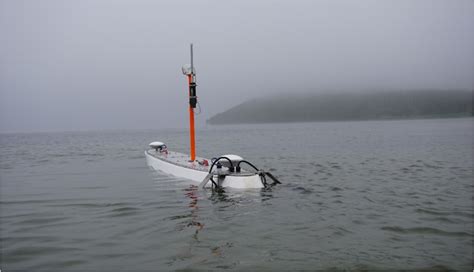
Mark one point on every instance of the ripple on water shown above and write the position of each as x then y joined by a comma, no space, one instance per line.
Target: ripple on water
25,253
123,211
442,213
303,190
41,221
426,230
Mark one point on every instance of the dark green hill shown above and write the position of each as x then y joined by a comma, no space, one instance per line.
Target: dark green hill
349,106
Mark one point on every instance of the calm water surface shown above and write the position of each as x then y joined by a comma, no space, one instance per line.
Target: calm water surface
356,196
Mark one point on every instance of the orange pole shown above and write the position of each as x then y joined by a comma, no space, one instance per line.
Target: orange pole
191,126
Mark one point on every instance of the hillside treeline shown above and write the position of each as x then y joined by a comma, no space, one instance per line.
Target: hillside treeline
350,106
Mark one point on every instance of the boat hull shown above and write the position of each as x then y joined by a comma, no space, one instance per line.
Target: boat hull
176,164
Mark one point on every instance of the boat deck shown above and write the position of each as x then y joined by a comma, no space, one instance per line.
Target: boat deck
180,159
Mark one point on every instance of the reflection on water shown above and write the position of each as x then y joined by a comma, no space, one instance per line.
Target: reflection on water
192,194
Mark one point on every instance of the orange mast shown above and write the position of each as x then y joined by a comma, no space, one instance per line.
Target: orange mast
191,124
192,105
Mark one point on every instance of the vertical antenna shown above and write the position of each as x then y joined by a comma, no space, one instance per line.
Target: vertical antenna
192,64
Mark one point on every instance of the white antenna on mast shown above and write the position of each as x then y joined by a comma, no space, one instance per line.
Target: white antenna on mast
188,69
192,64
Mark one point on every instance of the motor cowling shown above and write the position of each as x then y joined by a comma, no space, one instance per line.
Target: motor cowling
235,159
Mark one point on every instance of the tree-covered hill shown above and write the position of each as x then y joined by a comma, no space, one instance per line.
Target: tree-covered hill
350,106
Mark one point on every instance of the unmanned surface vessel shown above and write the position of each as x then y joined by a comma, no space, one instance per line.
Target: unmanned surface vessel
222,171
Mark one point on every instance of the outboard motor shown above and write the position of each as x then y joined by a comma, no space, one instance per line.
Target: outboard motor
232,163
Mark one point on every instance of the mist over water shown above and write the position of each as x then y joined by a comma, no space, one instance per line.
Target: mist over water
355,195
114,64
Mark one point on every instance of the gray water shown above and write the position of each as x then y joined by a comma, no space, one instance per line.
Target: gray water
355,195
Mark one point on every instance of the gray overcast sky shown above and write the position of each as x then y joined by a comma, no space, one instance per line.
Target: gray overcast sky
108,64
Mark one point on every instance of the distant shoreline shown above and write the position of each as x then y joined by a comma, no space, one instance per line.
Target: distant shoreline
401,105
352,120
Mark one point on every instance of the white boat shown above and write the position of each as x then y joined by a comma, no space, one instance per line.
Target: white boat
223,171
177,164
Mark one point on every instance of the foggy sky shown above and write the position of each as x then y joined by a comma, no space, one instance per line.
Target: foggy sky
79,65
